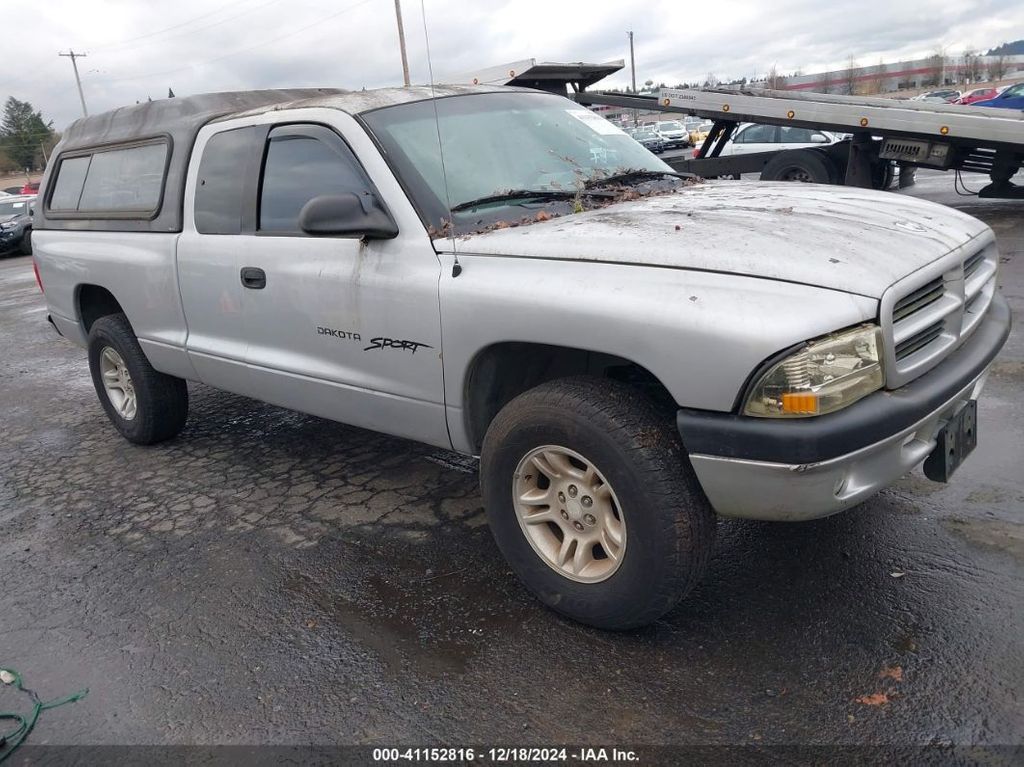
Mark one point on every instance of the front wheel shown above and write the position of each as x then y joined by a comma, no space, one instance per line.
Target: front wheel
592,500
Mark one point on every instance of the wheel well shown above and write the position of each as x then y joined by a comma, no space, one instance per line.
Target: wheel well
503,371
95,302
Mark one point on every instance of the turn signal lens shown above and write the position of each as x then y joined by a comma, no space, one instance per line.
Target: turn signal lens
800,404
826,375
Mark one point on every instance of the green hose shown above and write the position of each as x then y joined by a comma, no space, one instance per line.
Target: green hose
9,741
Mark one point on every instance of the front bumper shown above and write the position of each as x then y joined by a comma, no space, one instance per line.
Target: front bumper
777,469
11,238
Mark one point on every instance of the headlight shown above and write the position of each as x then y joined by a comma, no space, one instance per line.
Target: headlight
8,226
826,375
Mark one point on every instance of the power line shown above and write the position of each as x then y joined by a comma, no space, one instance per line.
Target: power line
74,64
130,44
262,44
125,42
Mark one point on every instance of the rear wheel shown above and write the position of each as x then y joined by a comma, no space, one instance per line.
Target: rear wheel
592,500
26,243
805,165
146,406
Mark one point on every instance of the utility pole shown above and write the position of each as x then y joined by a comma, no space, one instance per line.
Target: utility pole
401,42
72,55
632,59
632,67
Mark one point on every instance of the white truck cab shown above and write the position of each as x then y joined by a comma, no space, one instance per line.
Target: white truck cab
503,273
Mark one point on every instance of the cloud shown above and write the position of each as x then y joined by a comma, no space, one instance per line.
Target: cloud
139,48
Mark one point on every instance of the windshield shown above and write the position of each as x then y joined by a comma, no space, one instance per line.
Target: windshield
11,208
497,142
670,125
1015,90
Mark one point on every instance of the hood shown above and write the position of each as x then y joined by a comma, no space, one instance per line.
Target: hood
842,238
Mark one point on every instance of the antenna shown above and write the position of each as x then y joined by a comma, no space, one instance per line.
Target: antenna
450,225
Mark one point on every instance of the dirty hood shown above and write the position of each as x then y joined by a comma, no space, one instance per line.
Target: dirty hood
853,240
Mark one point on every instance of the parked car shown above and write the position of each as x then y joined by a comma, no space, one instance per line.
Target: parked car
755,137
673,133
944,95
978,94
16,224
649,139
698,129
1011,98
627,350
30,187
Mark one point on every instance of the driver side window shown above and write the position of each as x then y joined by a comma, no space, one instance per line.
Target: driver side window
303,162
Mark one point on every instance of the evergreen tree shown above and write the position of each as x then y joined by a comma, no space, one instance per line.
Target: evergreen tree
23,132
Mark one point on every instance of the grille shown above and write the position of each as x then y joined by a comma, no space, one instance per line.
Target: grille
919,299
972,264
926,321
919,340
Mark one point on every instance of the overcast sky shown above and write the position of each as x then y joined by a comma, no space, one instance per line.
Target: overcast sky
138,48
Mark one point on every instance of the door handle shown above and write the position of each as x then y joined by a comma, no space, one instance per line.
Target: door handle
253,278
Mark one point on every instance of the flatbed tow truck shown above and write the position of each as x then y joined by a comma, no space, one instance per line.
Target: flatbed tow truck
883,132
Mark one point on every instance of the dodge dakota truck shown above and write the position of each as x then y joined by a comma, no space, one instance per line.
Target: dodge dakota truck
503,273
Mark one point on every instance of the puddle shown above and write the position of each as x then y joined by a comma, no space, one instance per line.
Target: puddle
1007,537
433,624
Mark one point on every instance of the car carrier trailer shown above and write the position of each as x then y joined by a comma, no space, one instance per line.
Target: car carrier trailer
884,132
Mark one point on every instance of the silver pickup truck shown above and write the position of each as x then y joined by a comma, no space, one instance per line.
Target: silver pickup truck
504,273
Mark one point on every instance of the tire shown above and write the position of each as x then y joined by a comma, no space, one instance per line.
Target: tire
883,174
805,165
160,401
667,524
26,243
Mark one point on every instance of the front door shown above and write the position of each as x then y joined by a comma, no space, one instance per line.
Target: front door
347,329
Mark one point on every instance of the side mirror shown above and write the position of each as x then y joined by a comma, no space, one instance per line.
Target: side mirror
347,215
819,138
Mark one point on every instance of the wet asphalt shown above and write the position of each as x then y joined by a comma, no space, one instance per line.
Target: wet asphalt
273,578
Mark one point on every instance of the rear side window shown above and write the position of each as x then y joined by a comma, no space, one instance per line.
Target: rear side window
221,182
757,134
304,162
120,182
791,135
70,180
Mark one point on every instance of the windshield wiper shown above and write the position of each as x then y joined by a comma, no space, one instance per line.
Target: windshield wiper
633,175
525,194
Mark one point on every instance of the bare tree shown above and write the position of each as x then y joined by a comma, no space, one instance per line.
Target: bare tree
774,80
850,77
711,81
997,68
972,70
937,65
